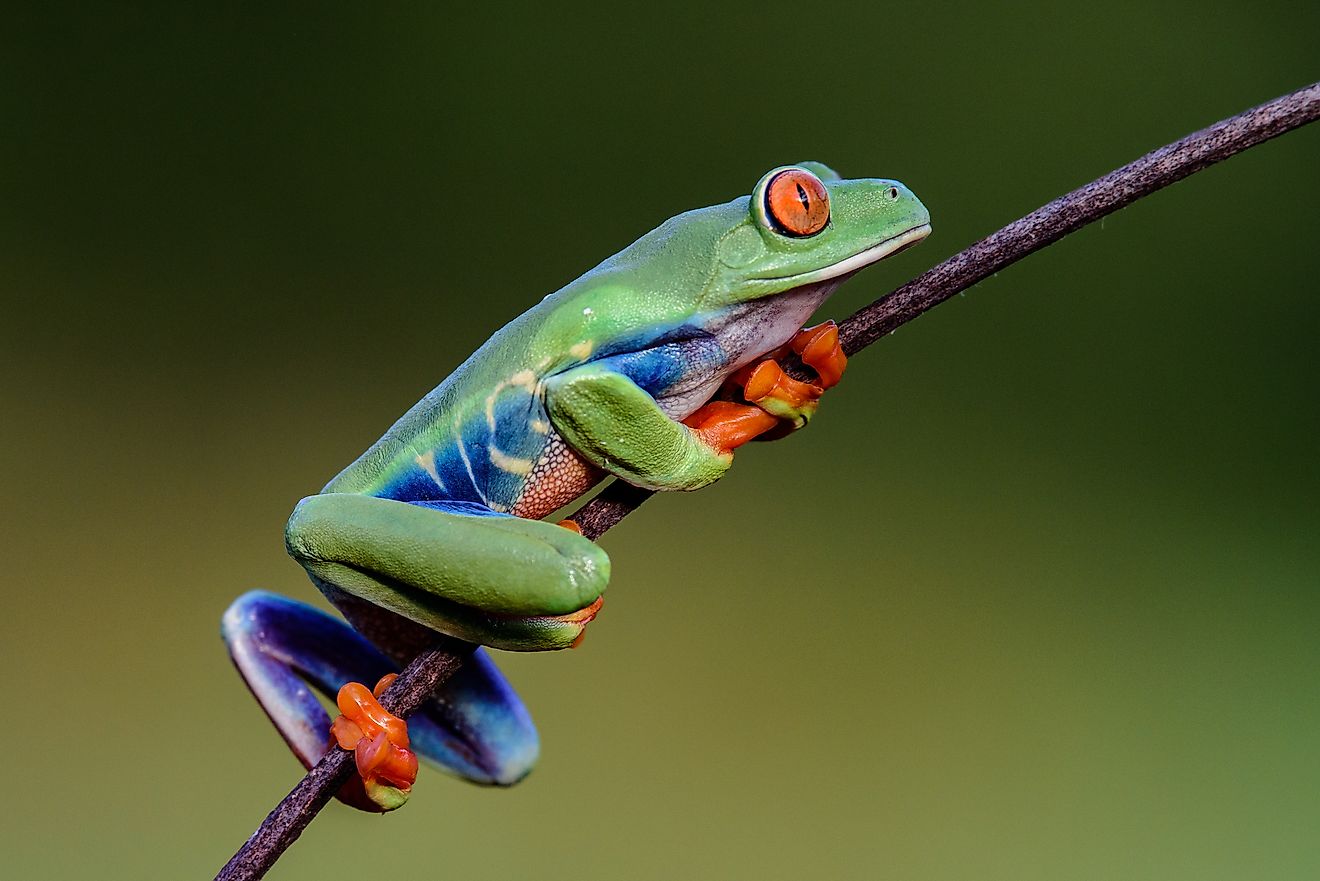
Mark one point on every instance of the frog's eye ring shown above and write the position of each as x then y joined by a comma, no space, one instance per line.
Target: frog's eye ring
795,202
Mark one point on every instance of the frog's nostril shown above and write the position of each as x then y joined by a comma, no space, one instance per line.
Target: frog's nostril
892,193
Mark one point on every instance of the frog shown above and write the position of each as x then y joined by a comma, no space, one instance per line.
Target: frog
651,368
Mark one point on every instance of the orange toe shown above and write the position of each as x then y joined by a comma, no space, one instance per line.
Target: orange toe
820,350
378,739
767,380
361,706
383,683
346,732
725,426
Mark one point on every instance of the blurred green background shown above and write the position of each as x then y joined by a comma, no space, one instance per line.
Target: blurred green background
1051,603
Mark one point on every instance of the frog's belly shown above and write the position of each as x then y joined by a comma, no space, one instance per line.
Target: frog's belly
745,332
558,477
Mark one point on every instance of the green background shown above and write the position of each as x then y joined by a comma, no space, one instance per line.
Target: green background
1035,598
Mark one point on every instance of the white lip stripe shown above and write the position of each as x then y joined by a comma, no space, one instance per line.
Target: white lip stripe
861,258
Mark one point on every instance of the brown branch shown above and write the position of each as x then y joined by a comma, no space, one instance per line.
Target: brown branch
1041,227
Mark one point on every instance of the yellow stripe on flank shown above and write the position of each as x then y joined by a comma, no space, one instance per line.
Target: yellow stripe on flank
522,379
490,407
511,464
426,461
540,426
581,351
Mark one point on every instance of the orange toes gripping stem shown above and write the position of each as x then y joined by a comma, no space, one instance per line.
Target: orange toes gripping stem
379,741
725,426
819,349
765,381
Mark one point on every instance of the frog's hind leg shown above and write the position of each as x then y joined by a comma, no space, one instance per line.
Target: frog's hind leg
458,568
474,726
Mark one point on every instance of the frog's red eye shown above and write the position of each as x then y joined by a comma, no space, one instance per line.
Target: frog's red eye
797,203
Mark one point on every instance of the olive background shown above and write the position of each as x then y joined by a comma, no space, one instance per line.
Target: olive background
1034,598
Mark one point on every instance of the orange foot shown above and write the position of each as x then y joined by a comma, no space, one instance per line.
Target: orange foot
819,349
724,426
379,740
767,386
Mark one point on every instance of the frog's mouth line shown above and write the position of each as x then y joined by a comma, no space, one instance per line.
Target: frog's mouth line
866,257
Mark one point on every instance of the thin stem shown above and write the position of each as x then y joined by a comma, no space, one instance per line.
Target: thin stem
1041,227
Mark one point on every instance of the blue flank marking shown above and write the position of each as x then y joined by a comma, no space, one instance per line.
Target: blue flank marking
484,483
658,369
412,485
515,409
470,509
415,484
654,370
472,473
652,337
656,359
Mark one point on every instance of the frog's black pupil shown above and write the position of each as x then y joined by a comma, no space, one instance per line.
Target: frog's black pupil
802,197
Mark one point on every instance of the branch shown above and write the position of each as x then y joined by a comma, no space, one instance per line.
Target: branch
1042,227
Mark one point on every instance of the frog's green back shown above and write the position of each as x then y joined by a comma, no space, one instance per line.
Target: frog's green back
483,434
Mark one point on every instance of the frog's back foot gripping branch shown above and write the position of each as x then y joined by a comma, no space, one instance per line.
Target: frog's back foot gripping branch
764,383
379,740
475,726
819,349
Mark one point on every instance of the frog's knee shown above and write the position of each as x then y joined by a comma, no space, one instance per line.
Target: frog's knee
244,614
309,528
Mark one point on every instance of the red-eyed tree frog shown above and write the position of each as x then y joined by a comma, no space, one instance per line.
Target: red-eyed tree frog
651,368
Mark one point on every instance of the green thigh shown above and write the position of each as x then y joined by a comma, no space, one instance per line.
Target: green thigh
492,579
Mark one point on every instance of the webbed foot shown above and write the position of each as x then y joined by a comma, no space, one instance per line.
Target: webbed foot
819,349
379,740
767,386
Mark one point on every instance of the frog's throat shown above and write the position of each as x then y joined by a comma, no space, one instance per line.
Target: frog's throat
863,258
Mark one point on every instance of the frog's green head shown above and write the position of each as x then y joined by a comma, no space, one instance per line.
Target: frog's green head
801,232
804,224
801,225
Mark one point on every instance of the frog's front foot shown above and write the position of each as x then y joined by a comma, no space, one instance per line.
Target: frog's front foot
767,386
386,766
724,425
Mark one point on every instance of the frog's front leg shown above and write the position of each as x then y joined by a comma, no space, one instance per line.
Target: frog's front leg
474,726
618,426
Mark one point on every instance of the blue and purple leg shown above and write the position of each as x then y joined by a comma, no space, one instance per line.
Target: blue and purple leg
475,726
